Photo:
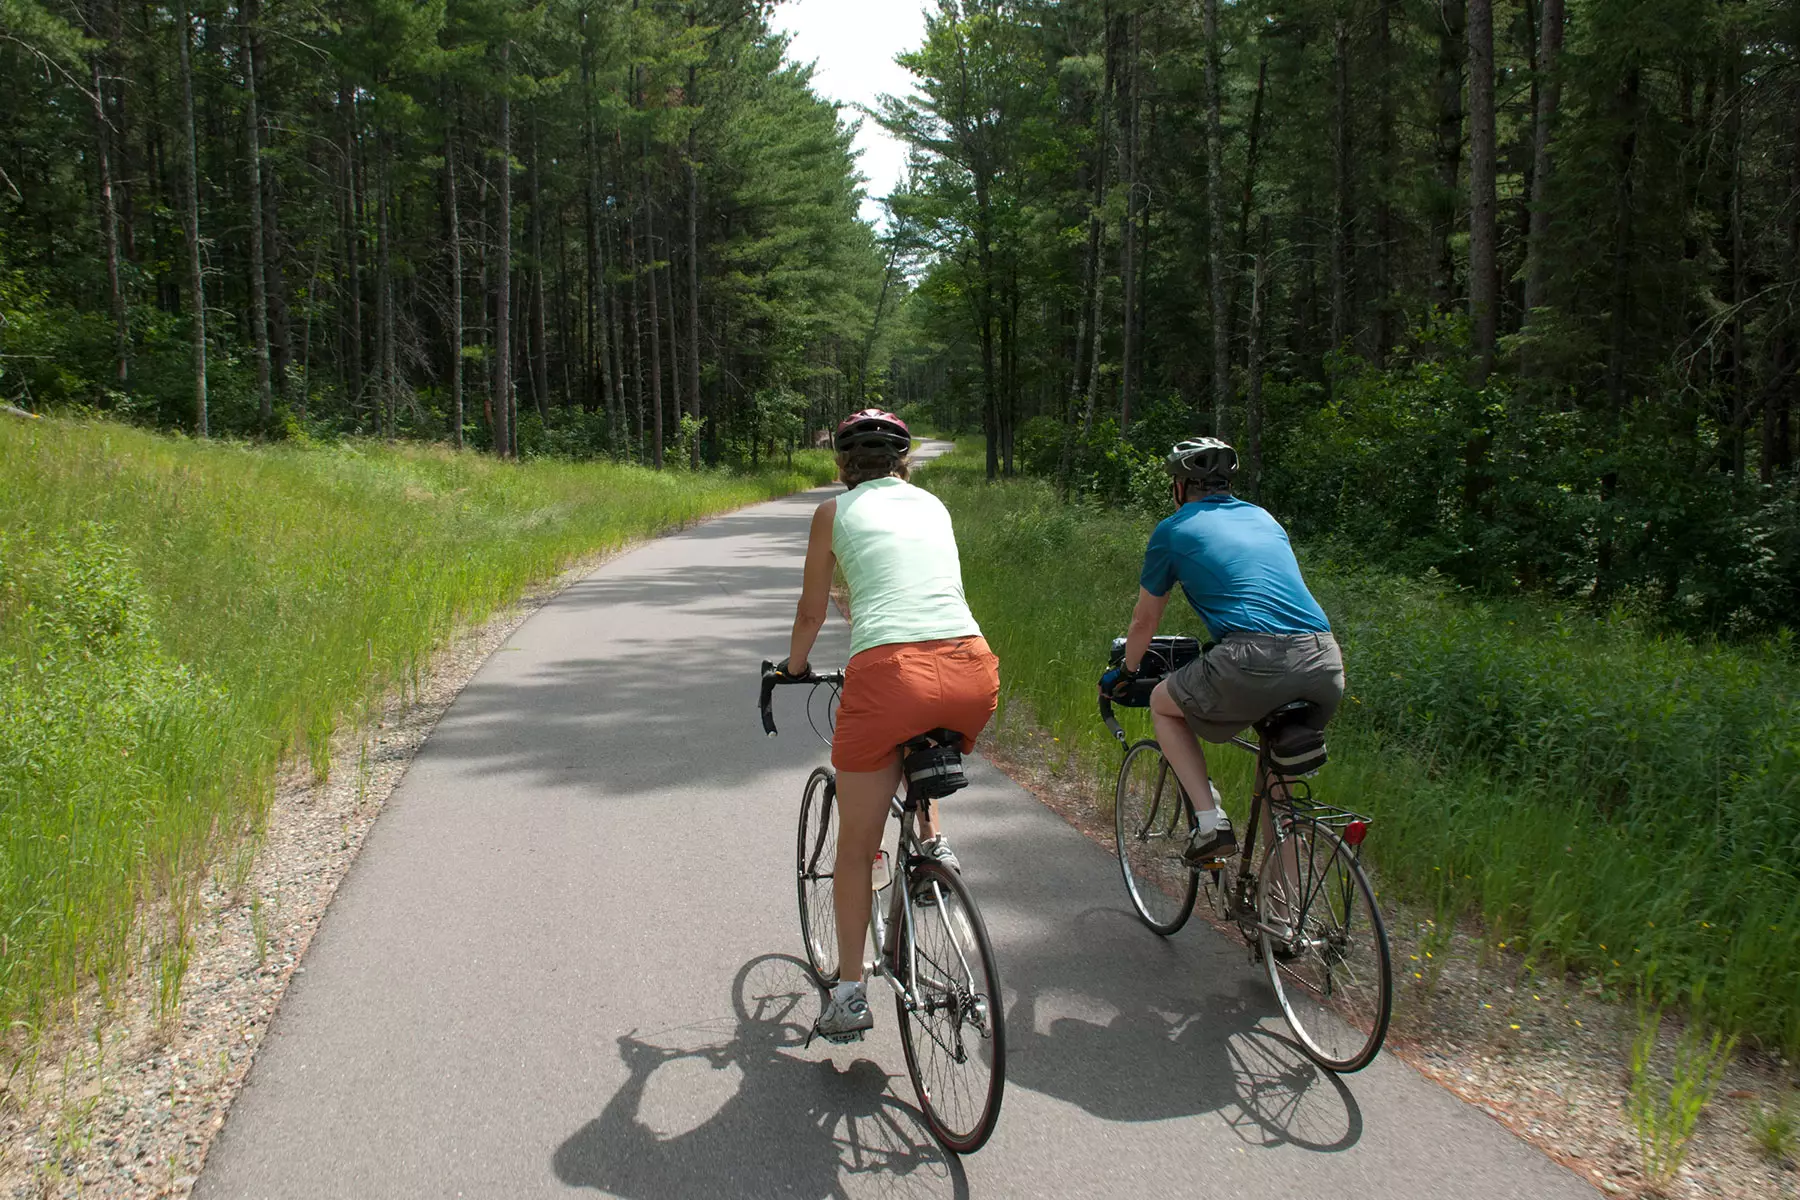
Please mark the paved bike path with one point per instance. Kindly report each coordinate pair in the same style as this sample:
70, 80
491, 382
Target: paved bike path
564, 964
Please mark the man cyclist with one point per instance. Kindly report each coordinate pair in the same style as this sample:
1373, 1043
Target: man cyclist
1274, 645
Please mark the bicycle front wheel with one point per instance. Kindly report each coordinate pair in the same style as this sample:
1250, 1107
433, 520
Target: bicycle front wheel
1325, 947
954, 1031
815, 860
1152, 819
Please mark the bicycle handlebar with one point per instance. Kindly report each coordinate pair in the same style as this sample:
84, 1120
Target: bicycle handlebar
1112, 722
772, 679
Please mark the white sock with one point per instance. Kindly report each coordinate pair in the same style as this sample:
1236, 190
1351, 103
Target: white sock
1209, 819
846, 988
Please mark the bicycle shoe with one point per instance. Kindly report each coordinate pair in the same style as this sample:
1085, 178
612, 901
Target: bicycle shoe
1204, 848
846, 1017
939, 849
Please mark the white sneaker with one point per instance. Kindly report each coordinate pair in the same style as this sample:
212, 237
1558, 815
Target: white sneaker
846, 1017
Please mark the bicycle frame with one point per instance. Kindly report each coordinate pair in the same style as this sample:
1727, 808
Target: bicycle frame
900, 914
1242, 905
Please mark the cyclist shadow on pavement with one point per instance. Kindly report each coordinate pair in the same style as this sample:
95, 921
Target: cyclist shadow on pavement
1120, 1022
793, 1127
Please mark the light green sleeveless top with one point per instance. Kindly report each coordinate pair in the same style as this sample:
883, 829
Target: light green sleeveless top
899, 557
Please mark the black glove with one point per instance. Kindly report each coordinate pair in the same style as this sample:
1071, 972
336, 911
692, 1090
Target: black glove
781, 668
1117, 683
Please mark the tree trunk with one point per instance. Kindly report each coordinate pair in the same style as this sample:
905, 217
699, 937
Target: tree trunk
505, 442
1386, 151
1215, 202
655, 315
1777, 434
540, 346
1254, 406
693, 281
1246, 199
191, 218
109, 230
1128, 163
1537, 269
1484, 236
1089, 327
1340, 167
454, 225
384, 291
280, 323
353, 330
634, 268
1448, 154
259, 303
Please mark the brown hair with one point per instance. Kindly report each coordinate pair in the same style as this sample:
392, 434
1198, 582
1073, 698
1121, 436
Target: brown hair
860, 466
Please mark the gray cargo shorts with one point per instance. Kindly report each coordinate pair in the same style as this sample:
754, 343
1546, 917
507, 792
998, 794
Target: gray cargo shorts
1247, 676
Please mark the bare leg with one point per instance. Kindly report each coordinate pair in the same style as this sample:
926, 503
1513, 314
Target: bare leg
1180, 746
928, 821
862, 798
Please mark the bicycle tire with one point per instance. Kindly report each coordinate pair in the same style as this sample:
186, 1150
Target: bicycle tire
1152, 820
815, 859
1333, 976
970, 994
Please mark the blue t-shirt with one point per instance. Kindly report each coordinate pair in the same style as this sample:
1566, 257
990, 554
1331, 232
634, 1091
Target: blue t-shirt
1236, 566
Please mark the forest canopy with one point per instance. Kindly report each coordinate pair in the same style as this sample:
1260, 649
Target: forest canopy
1510, 291
637, 223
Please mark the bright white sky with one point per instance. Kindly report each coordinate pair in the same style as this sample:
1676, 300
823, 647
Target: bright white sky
853, 43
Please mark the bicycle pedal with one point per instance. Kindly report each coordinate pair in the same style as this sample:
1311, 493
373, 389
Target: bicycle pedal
836, 1039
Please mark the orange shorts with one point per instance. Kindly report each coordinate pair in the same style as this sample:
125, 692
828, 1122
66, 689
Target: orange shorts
894, 693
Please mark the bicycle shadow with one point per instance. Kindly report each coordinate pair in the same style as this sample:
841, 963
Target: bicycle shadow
1121, 1023
789, 1127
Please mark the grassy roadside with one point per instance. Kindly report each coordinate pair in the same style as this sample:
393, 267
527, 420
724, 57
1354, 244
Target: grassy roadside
1621, 805
178, 619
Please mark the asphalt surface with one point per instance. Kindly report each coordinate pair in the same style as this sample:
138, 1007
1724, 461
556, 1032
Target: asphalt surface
566, 961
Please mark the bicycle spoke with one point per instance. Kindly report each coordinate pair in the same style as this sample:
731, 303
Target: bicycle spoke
1151, 823
1325, 948
816, 858
951, 1017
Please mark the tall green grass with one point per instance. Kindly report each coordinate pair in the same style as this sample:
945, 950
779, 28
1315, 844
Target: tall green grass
177, 619
1619, 803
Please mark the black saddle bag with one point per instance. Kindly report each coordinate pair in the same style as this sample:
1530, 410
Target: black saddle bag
1297, 750
933, 766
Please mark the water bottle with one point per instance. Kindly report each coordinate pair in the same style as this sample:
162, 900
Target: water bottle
879, 876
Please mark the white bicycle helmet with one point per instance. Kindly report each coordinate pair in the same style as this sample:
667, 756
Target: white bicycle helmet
1205, 460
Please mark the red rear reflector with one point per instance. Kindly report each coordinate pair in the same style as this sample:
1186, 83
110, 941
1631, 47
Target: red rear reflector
1355, 832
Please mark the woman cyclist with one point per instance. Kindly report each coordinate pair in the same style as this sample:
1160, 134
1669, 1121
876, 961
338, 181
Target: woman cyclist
918, 662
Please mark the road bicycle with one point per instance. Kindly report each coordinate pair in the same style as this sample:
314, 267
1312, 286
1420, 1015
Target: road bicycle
931, 944
1310, 916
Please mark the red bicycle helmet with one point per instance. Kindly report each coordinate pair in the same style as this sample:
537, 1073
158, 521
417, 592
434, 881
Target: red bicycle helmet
873, 429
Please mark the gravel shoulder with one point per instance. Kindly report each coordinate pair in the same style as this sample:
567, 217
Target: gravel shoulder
119, 1102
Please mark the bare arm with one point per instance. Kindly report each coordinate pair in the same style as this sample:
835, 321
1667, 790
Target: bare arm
815, 588
1144, 620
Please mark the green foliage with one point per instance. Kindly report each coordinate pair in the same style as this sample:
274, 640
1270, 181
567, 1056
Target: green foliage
177, 619
1775, 1128
1664, 1116
1386, 467
1620, 803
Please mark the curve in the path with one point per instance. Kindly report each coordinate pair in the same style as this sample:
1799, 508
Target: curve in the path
565, 962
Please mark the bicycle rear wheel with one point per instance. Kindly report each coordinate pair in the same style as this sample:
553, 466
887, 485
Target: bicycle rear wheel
955, 1035
1152, 819
1329, 963
815, 860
